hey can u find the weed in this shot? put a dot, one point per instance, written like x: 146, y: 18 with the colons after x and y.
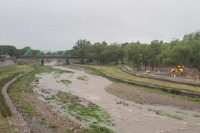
x: 7, y: 74
x: 45, y: 91
x: 43, y: 122
x: 8, y: 125
x: 93, y: 71
x: 116, y: 72
x: 23, y: 85
x: 179, y: 112
x: 59, y: 71
x: 196, y: 115
x: 85, y: 112
x: 98, y: 129
x: 65, y: 81
x: 162, y: 113
x: 84, y: 78
x: 123, y: 103
x: 53, y: 126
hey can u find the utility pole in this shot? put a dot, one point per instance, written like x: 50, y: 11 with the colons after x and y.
x: 186, y: 21
x: 186, y: 17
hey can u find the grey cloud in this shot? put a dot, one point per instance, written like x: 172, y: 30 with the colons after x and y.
x: 58, y: 24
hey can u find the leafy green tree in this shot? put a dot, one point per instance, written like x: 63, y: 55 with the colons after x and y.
x: 192, y: 41
x: 145, y: 55
x: 134, y: 55
x: 154, y: 51
x: 97, y: 52
x: 8, y: 49
x: 22, y: 51
x: 82, y: 49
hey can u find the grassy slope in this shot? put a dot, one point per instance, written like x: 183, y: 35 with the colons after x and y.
x: 120, y: 74
x: 22, y: 85
x: 7, y: 74
x: 97, y: 70
x: 7, y: 124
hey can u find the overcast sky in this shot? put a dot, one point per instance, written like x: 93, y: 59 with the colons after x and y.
x: 58, y: 24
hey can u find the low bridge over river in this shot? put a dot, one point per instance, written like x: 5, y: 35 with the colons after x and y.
x: 67, y: 59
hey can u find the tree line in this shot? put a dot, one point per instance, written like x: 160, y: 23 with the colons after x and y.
x: 184, y: 52
x: 156, y: 54
x: 27, y: 51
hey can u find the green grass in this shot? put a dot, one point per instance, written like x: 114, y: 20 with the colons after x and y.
x: 23, y: 85
x: 187, y: 98
x: 166, y: 114
x: 43, y: 122
x: 179, y: 112
x: 13, y: 69
x: 191, y: 99
x: 8, y: 125
x: 7, y: 74
x: 123, y: 103
x: 87, y: 112
x: 53, y: 126
x: 91, y: 111
x: 97, y: 129
x: 196, y: 115
x: 116, y: 72
x: 65, y: 81
x: 4, y: 109
x: 49, y: 125
x: 59, y: 71
x: 84, y: 78
x: 82, y: 111
x: 93, y: 71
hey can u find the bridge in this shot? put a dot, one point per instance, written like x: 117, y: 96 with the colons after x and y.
x: 66, y: 58
x: 51, y: 57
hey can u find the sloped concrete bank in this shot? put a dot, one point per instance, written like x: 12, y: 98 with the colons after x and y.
x: 21, y: 123
x: 159, y: 78
x: 152, y: 86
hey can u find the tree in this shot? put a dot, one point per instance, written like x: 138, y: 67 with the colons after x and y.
x: 195, y: 56
x: 155, y: 50
x: 145, y: 55
x: 192, y: 41
x: 22, y: 51
x: 98, y: 49
x: 82, y: 49
x: 134, y: 55
x: 8, y: 49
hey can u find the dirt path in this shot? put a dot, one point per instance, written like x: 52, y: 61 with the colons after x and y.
x: 145, y: 96
x: 128, y: 116
x: 21, y: 123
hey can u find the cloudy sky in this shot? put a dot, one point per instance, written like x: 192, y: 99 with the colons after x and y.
x: 58, y: 24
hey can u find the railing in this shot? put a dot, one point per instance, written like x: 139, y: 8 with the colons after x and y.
x: 51, y: 57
